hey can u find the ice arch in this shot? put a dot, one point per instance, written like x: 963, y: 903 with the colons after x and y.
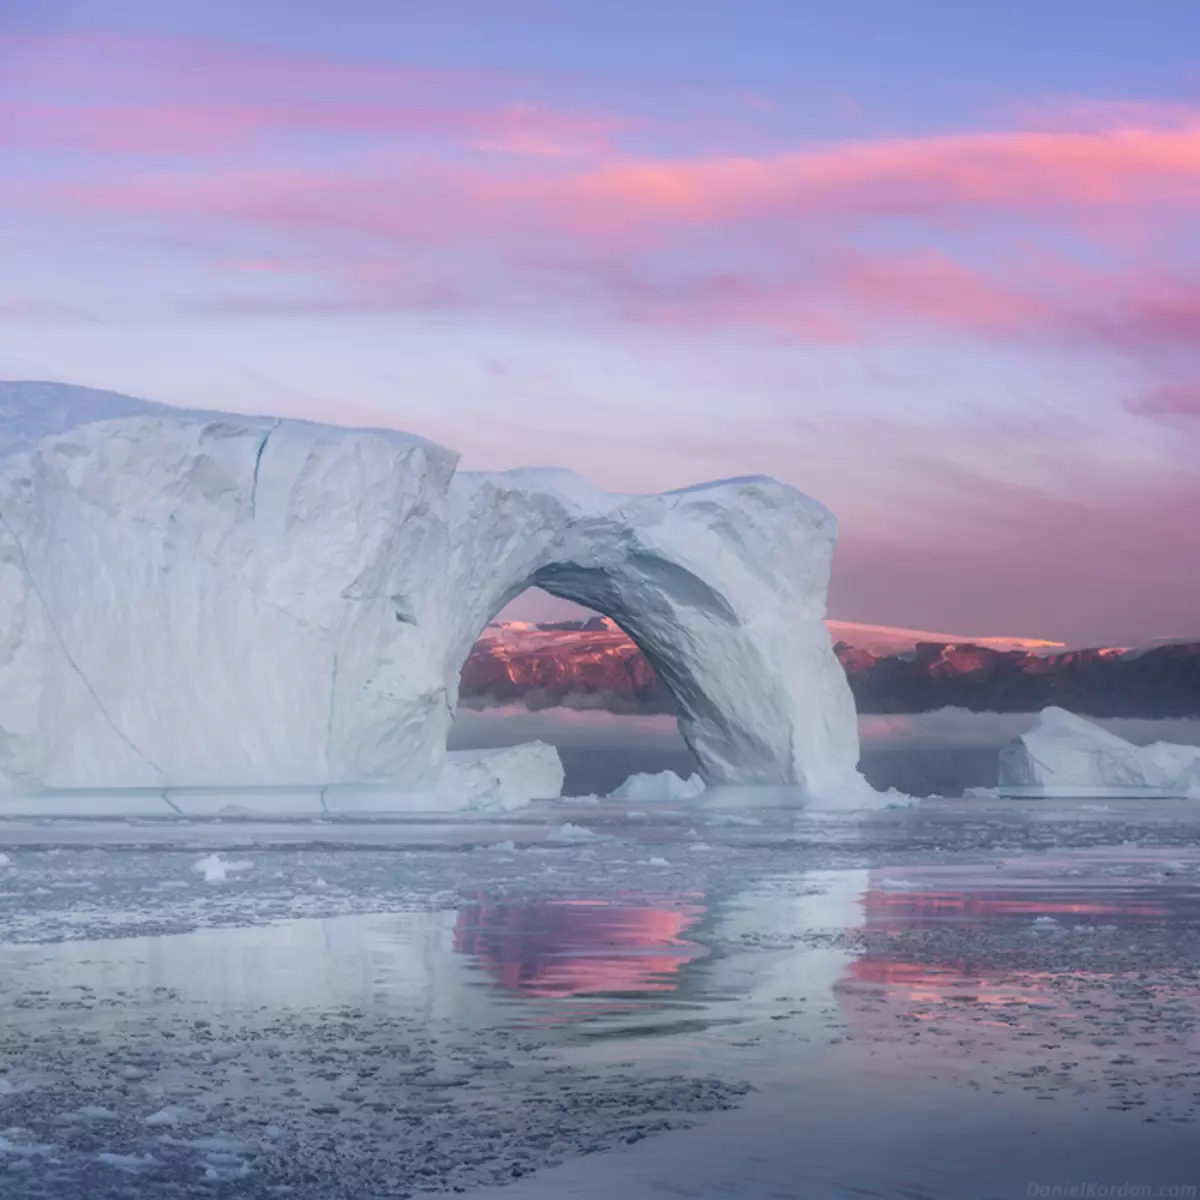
x: 722, y: 586
x: 199, y: 599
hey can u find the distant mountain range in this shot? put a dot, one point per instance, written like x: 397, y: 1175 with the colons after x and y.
x: 593, y: 664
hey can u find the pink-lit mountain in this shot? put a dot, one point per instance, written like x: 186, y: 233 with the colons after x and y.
x: 593, y: 664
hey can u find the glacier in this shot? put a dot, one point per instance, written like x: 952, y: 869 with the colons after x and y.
x: 1066, y: 755
x: 204, y: 600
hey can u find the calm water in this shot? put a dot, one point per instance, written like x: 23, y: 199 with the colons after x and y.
x: 937, y: 753
x: 919, y: 1031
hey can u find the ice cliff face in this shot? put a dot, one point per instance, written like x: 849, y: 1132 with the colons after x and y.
x: 1064, y: 755
x: 199, y: 599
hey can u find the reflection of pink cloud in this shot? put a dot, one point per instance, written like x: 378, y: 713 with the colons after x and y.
x: 914, y: 909
x: 561, y: 948
x: 954, y: 898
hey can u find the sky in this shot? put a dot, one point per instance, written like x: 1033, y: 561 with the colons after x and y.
x: 937, y: 265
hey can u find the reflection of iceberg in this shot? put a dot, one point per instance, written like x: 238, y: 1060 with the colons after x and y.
x: 565, y: 948
x: 398, y: 961
x: 774, y: 965
x: 656, y: 952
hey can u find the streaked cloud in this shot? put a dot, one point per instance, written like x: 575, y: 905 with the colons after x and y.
x: 357, y: 205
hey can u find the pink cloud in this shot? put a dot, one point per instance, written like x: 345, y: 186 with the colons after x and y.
x: 996, y: 173
x: 1166, y: 403
x: 781, y: 229
x: 125, y: 130
x: 1082, y: 114
x: 1157, y: 311
x: 900, y: 177
x: 839, y: 297
x: 257, y: 266
x: 156, y: 94
x: 178, y: 68
x: 184, y: 132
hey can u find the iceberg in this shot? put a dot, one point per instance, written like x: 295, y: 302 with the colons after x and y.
x: 1066, y: 755
x: 663, y: 786
x: 500, y: 779
x: 203, y: 600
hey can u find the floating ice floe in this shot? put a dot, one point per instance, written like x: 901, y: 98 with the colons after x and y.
x: 216, y: 870
x: 14, y: 1145
x: 570, y: 834
x: 91, y: 1112
x: 132, y: 1163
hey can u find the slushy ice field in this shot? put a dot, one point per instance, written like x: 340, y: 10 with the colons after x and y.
x: 591, y: 1000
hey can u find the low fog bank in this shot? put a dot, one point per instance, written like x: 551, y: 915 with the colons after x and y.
x: 942, y: 752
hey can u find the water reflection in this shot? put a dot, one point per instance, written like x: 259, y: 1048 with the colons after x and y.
x: 799, y: 947
x: 913, y: 1022
x: 942, y: 943
x: 554, y: 949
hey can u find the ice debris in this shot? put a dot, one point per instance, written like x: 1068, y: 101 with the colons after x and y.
x: 216, y: 870
x: 131, y: 1163
x: 570, y: 834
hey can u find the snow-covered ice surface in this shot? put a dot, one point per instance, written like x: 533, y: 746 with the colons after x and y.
x: 390, y: 1010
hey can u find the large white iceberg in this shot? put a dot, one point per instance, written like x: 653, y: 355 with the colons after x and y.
x: 195, y: 599
x: 1065, y: 755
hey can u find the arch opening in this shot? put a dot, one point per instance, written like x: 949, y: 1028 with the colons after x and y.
x: 547, y: 668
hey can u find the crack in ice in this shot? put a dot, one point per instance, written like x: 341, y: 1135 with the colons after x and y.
x: 329, y: 723
x: 262, y: 449
x: 58, y: 637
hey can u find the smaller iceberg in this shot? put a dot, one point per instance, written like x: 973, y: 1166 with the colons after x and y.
x: 660, y: 787
x: 1065, y: 755
x: 501, y: 779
